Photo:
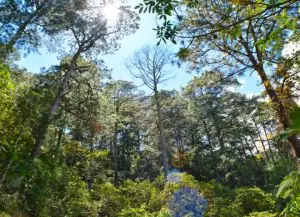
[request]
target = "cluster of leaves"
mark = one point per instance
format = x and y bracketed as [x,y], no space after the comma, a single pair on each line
[295,127]
[289,189]
[241,202]
[163,9]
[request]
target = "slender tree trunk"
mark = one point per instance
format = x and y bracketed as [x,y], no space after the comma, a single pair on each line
[47,118]
[10,160]
[162,139]
[60,133]
[261,140]
[269,144]
[115,151]
[3,177]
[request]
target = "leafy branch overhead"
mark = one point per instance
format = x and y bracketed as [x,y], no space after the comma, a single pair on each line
[164,9]
[170,17]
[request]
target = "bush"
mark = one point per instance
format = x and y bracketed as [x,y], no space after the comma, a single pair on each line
[225,203]
[110,200]
[290,189]
[56,190]
[254,200]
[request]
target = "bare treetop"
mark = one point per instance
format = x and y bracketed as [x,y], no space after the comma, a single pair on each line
[148,64]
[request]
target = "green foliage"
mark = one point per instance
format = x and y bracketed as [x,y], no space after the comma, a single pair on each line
[242,202]
[110,200]
[254,199]
[139,198]
[164,10]
[5,79]
[295,127]
[55,190]
[289,188]
[101,127]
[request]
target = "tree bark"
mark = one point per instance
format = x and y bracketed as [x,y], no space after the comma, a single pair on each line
[283,115]
[281,109]
[115,151]
[269,144]
[162,139]
[47,118]
[262,141]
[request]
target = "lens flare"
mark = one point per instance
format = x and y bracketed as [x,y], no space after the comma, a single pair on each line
[111,13]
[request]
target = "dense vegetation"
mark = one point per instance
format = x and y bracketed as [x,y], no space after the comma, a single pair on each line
[75,143]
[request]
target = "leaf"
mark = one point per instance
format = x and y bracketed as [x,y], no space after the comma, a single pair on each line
[140,10]
[295,116]
[285,134]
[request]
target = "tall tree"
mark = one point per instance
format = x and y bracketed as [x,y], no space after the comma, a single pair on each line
[222,34]
[149,65]
[89,34]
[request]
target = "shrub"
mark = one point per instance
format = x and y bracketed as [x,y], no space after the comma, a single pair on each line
[290,189]
[254,200]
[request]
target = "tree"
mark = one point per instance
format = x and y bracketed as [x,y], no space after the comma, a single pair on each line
[120,95]
[24,23]
[242,39]
[249,36]
[167,10]
[89,34]
[149,64]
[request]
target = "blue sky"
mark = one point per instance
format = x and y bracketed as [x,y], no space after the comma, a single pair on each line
[143,36]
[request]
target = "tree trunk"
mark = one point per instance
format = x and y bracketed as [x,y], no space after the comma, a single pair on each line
[269,144]
[115,151]
[262,141]
[283,115]
[161,133]
[3,177]
[282,111]
[47,118]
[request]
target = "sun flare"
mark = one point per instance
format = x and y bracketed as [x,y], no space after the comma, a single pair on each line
[111,13]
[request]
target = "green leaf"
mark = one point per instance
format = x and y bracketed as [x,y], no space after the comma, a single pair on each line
[295,116]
